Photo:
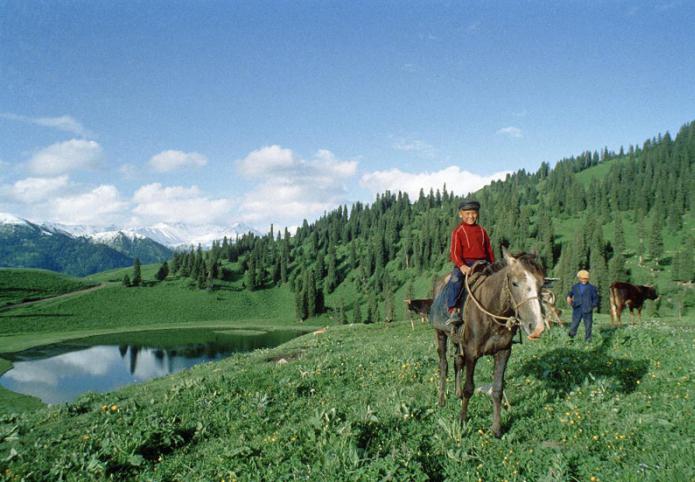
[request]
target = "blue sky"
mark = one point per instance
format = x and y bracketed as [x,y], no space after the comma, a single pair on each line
[216,112]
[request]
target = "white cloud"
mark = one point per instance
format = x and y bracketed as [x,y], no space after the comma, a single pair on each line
[457,181]
[171,160]
[512,132]
[290,188]
[267,160]
[65,156]
[99,207]
[178,204]
[36,189]
[64,123]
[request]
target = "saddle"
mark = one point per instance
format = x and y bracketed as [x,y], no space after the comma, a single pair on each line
[439,312]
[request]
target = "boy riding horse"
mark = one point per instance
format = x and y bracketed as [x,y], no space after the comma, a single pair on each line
[470,243]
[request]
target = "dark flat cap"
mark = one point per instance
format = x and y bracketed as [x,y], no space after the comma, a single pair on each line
[469,204]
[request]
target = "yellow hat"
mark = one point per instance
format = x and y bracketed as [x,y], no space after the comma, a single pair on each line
[583,274]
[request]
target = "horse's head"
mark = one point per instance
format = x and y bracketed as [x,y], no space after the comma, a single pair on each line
[526,277]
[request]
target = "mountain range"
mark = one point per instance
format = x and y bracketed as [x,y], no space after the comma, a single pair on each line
[82,249]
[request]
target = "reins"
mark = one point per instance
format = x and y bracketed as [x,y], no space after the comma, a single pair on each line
[509,321]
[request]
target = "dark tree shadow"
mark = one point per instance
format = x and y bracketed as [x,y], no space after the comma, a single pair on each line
[564,369]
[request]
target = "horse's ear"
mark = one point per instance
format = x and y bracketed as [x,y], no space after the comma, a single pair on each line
[508,257]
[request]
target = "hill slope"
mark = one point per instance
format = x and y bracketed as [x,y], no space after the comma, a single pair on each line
[20,285]
[359,403]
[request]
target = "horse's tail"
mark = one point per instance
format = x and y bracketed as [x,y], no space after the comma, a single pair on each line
[613,294]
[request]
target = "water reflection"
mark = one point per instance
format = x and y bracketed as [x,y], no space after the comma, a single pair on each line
[59,373]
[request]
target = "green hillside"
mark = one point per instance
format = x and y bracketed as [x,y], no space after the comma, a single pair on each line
[20,285]
[31,246]
[359,403]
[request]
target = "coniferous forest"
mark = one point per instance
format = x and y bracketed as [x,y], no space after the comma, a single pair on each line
[580,213]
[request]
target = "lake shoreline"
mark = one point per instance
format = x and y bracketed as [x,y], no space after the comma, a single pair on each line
[11,401]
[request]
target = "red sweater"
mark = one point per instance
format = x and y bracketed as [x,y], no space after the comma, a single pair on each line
[470,243]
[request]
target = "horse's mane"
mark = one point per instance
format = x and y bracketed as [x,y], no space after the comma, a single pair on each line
[528,260]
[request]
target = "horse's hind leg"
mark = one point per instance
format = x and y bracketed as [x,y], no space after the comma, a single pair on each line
[469,387]
[501,358]
[441,340]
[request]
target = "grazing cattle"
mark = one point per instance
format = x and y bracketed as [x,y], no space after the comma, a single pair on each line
[420,307]
[632,296]
[551,313]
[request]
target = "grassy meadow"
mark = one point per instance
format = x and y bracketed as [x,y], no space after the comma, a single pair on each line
[358,402]
[18,285]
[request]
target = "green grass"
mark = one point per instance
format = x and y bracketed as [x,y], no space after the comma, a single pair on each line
[598,171]
[116,275]
[19,285]
[359,403]
[162,303]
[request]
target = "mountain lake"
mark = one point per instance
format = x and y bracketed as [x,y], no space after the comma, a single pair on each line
[61,372]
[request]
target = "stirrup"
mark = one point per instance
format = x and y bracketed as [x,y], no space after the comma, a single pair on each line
[455,318]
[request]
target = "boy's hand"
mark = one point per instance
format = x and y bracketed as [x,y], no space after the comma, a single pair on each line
[569,300]
[465,269]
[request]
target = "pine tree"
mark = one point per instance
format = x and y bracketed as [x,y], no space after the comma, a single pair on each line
[356,312]
[656,241]
[389,305]
[310,293]
[332,274]
[137,273]
[618,235]
[126,280]
[163,272]
[342,319]
[371,309]
[300,304]
[250,275]
[202,280]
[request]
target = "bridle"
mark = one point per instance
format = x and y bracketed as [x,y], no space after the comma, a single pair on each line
[509,321]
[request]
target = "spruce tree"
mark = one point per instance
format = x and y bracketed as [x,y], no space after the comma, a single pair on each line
[618,235]
[250,275]
[310,293]
[342,319]
[126,280]
[356,312]
[332,274]
[137,273]
[656,240]
[163,272]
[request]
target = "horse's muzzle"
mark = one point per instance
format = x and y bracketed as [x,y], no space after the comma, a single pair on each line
[537,332]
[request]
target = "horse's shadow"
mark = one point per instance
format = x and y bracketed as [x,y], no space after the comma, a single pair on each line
[564,369]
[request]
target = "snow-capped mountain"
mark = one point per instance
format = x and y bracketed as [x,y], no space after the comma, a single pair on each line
[79,229]
[171,235]
[7,218]
[177,235]
[24,244]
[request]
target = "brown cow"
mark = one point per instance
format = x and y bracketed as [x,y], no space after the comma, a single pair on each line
[632,296]
[420,307]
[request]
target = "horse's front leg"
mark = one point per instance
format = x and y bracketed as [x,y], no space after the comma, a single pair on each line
[501,359]
[469,387]
[458,369]
[441,340]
